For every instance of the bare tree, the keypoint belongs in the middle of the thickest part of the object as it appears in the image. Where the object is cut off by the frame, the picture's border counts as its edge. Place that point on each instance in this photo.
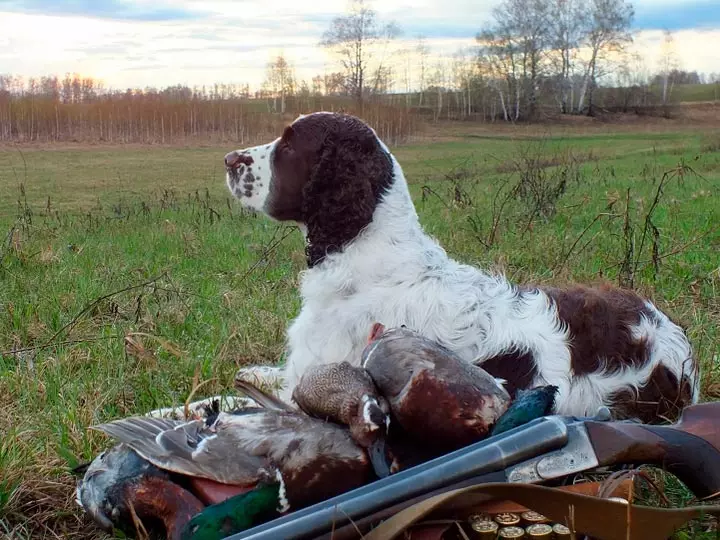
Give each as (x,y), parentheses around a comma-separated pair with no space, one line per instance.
(632,79)
(318,85)
(609,30)
(669,64)
(517,45)
(529,21)
(280,80)
(464,75)
(423,52)
(406,67)
(354,37)
(568,25)
(438,82)
(498,61)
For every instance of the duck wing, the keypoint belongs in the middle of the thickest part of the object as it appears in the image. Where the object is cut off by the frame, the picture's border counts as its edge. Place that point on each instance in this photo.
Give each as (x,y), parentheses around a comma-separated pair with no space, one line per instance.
(237,448)
(189,448)
(262,398)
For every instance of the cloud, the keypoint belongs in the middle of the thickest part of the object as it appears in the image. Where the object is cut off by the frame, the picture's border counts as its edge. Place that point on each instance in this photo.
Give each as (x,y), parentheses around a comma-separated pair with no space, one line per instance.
(129,10)
(155,43)
(690,48)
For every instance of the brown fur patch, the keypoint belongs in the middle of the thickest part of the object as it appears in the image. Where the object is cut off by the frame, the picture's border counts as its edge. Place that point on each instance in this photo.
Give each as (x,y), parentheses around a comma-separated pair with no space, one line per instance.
(518,369)
(661,400)
(329,172)
(600,321)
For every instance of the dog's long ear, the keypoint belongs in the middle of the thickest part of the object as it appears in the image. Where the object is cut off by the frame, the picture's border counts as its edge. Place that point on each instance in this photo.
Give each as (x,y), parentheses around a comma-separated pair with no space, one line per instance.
(342,193)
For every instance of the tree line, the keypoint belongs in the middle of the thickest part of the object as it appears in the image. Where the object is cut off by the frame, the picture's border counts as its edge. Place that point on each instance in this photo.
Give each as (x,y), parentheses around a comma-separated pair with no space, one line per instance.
(534,58)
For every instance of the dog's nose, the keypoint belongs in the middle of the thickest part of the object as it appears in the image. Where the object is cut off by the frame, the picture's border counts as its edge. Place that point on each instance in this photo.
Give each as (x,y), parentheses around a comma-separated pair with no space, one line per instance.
(232,159)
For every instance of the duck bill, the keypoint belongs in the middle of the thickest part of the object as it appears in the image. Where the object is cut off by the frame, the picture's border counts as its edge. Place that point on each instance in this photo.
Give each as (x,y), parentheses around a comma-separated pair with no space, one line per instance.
(378,458)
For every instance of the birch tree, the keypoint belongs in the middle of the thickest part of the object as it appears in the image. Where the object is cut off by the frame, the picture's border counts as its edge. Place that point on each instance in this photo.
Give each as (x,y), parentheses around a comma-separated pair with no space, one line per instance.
(609,30)
(669,64)
(280,80)
(353,37)
(568,25)
(516,46)
(423,53)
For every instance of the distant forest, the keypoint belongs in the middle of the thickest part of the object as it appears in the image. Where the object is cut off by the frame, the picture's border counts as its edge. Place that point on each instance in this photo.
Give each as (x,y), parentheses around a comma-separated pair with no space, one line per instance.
(537,59)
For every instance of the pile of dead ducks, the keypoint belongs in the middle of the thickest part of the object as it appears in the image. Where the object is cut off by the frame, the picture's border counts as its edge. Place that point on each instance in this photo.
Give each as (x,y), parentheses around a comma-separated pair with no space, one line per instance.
(409,401)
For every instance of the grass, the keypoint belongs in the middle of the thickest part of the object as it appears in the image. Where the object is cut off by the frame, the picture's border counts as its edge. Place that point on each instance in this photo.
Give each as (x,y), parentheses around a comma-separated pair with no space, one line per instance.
(126,269)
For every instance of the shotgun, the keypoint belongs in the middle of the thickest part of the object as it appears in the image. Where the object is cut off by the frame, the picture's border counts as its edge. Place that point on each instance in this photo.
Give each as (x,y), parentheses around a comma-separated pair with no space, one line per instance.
(547,448)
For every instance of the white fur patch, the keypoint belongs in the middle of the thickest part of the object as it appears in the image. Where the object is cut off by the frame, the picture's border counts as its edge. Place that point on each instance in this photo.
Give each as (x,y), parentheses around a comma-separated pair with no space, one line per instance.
(252,184)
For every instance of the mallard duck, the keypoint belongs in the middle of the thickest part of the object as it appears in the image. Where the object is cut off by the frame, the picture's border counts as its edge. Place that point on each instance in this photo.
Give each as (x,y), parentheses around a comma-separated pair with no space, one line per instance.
(254,464)
(120,490)
(434,395)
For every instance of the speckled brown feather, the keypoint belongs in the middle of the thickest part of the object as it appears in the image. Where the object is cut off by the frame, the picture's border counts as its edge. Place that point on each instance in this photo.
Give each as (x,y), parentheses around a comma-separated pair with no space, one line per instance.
(339,393)
(433,394)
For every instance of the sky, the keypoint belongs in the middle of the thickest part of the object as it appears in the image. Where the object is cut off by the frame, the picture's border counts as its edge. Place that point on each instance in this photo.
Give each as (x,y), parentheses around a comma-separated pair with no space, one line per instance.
(157,43)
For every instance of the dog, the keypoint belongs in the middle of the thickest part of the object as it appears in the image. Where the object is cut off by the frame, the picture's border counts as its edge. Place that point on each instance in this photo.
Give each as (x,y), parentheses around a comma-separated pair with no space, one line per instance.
(369,260)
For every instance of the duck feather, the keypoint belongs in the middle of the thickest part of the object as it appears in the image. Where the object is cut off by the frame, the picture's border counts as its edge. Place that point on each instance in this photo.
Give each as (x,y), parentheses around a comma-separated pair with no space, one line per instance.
(236,449)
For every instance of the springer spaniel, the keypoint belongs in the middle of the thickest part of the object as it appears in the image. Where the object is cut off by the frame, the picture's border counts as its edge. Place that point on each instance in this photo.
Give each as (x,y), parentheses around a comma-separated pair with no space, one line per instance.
(369,260)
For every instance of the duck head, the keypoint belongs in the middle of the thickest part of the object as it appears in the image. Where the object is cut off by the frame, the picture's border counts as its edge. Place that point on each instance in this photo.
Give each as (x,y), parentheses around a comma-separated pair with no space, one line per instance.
(369,428)
(347,395)
(118,487)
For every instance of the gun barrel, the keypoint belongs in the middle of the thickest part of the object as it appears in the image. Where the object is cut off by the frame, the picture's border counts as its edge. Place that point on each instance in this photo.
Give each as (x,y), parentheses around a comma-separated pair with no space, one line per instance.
(488,456)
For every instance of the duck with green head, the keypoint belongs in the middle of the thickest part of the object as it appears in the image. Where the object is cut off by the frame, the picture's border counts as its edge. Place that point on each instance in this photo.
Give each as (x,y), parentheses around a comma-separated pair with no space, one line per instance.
(245,467)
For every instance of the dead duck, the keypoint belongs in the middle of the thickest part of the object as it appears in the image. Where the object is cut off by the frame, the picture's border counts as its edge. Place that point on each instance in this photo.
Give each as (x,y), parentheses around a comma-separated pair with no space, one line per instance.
(434,395)
(346,394)
(343,394)
(249,466)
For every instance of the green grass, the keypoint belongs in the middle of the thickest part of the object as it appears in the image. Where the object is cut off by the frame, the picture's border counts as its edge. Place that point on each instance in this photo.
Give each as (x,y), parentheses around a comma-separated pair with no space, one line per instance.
(130,268)
(696,92)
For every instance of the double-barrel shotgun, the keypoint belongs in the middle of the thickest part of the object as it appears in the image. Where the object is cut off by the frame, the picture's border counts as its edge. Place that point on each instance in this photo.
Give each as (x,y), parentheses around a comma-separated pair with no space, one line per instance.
(548,448)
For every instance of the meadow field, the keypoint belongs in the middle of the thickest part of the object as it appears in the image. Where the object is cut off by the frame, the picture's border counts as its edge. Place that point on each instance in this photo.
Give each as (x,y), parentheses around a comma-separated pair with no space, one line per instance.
(128,275)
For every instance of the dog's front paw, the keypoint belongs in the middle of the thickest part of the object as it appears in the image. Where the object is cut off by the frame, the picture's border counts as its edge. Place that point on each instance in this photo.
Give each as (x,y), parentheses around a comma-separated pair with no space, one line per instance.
(201,408)
(267,378)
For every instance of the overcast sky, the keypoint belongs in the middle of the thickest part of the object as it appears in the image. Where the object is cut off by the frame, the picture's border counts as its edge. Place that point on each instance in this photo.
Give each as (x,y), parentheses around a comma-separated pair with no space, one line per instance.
(139,43)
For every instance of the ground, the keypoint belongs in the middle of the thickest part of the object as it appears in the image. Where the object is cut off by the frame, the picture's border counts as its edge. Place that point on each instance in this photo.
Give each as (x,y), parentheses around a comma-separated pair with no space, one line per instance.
(126,270)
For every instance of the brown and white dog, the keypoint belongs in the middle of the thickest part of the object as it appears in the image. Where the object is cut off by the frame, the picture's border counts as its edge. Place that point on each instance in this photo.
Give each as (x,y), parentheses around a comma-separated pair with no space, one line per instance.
(369,261)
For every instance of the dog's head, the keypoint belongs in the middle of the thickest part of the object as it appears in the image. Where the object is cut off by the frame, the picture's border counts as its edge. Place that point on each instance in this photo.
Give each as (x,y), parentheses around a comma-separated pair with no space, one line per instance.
(326,172)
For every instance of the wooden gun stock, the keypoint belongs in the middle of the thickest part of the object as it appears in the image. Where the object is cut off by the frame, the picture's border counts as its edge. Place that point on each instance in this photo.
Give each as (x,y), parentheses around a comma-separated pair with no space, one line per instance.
(689,449)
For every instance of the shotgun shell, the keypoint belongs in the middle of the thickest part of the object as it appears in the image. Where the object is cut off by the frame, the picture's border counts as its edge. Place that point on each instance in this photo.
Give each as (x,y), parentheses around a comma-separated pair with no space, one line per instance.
(484,528)
(479,517)
(511,532)
(561,531)
(507,520)
(531,518)
(539,530)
